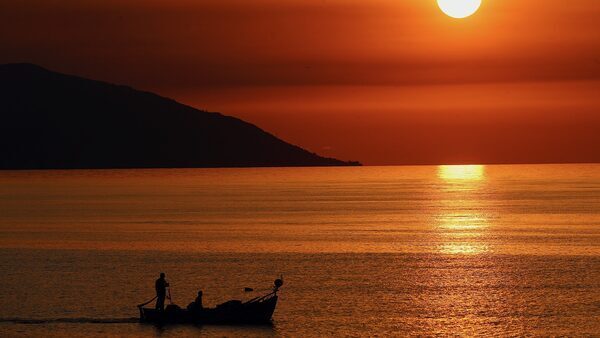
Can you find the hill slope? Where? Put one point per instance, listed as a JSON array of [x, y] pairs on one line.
[[53, 120]]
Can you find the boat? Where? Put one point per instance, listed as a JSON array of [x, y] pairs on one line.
[[258, 310]]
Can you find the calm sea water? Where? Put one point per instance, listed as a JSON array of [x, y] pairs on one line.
[[458, 250]]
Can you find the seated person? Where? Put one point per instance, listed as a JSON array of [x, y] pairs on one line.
[[196, 305]]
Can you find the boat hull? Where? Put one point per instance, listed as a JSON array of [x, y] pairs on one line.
[[233, 312]]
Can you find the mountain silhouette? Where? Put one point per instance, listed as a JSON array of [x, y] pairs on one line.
[[52, 120]]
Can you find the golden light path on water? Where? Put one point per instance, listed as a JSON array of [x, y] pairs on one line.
[[461, 221], [470, 172]]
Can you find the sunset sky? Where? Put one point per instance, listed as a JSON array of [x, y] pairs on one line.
[[379, 81]]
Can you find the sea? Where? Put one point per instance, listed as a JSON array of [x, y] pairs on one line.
[[468, 250]]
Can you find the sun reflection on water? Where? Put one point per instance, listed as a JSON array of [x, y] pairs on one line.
[[462, 221], [472, 172], [462, 248], [462, 233]]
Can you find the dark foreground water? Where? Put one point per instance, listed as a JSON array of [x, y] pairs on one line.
[[466, 250]]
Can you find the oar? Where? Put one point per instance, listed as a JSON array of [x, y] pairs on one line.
[[148, 302]]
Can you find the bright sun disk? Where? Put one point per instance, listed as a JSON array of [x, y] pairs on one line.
[[459, 8]]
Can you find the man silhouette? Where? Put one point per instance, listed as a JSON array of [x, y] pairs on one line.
[[161, 291], [196, 306]]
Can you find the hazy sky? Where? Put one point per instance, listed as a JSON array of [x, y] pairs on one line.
[[380, 81]]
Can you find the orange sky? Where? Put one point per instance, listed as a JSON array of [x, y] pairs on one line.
[[380, 81]]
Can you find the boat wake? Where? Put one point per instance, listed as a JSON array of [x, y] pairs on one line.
[[71, 320]]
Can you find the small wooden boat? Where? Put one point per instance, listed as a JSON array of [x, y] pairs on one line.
[[258, 310]]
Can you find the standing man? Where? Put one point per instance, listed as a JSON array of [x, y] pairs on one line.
[[161, 291]]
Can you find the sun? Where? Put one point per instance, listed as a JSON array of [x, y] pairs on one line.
[[459, 8]]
